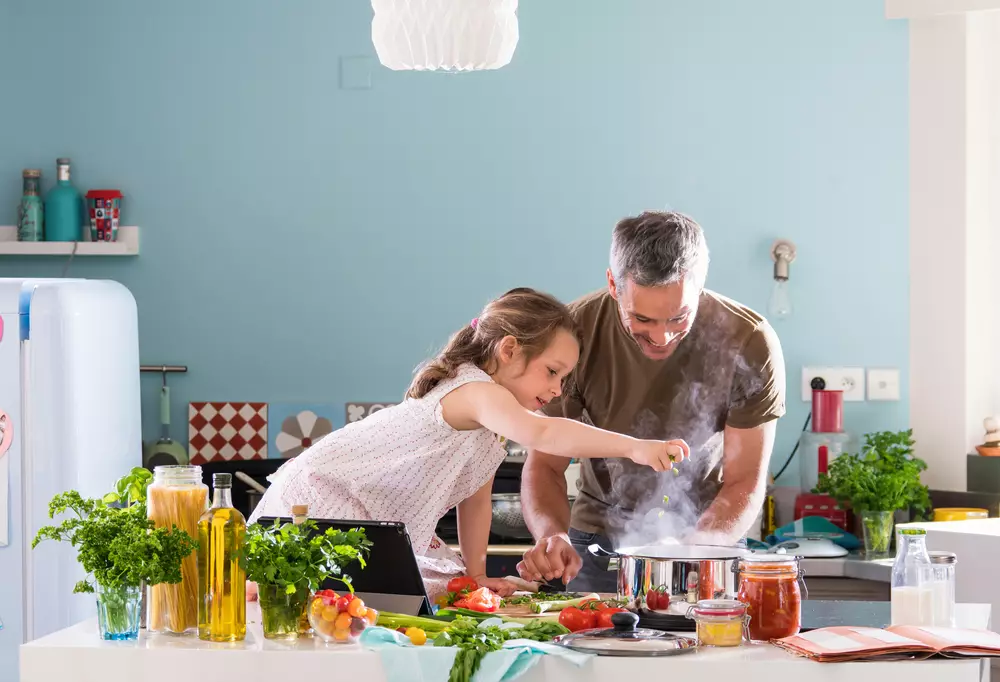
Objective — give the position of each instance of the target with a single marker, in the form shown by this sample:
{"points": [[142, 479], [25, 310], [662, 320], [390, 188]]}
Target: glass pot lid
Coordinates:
{"points": [[624, 639]]}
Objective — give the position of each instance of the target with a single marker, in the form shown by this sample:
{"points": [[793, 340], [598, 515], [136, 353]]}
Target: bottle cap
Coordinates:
{"points": [[300, 509], [31, 173], [943, 557], [62, 161], [222, 480]]}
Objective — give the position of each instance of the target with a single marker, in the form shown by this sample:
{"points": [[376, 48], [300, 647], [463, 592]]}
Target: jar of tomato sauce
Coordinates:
{"points": [[769, 586]]}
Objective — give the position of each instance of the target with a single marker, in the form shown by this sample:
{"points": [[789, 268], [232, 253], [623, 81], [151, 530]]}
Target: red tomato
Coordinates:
{"points": [[343, 603], [604, 617], [456, 585], [658, 599], [574, 619]]}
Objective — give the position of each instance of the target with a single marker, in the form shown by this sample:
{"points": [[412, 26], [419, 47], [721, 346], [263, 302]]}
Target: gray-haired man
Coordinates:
{"points": [[662, 357]]}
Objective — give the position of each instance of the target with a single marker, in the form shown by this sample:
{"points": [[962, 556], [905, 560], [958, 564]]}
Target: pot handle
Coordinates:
{"points": [[597, 550]]}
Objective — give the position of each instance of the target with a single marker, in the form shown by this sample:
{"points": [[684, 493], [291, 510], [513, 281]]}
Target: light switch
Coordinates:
{"points": [[883, 384]]}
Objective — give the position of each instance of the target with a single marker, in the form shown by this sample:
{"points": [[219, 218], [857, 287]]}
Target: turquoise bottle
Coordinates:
{"points": [[30, 221], [63, 208]]}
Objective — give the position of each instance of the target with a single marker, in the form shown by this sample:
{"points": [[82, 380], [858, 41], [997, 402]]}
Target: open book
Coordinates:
{"points": [[838, 644]]}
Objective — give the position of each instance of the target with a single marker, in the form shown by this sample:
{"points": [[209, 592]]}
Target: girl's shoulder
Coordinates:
{"points": [[465, 374]]}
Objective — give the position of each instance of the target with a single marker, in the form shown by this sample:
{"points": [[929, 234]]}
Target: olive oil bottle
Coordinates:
{"points": [[300, 512], [222, 603]]}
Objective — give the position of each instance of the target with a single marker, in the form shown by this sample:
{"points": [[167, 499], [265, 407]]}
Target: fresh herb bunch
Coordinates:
{"points": [[131, 488], [475, 640], [118, 547], [298, 557], [884, 477]]}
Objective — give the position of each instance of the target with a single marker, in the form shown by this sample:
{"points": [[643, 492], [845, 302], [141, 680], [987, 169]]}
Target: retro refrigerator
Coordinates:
{"points": [[70, 417]]}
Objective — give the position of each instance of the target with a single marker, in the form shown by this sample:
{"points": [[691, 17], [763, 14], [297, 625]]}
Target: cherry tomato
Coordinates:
{"points": [[574, 619], [357, 608], [371, 615], [343, 603], [417, 636], [342, 622], [456, 585], [604, 617], [658, 599]]}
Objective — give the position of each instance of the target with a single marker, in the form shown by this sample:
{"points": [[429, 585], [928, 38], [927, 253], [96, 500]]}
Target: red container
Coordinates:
{"points": [[827, 411], [104, 207]]}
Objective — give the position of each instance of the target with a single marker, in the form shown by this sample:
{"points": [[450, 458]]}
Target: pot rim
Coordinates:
{"points": [[683, 552]]}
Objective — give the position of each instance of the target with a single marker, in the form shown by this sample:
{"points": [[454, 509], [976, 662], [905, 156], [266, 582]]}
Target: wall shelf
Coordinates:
{"points": [[127, 245]]}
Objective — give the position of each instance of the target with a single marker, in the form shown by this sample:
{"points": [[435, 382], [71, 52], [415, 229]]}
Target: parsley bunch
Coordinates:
{"points": [[119, 547], [884, 477], [297, 557]]}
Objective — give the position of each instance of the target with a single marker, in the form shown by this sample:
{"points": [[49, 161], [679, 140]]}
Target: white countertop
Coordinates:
{"points": [[77, 655]]}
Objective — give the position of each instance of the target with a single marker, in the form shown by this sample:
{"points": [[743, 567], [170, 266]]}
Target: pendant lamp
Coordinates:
{"points": [[444, 35]]}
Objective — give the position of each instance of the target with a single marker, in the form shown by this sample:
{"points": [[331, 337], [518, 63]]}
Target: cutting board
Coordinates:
{"points": [[524, 610]]}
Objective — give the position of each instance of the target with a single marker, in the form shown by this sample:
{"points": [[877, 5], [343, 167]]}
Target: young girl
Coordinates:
{"points": [[442, 445]]}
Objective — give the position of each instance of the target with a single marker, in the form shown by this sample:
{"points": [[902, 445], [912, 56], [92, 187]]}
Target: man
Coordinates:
{"points": [[662, 357]]}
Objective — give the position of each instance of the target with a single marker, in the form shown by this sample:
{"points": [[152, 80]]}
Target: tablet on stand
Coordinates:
{"points": [[390, 580]]}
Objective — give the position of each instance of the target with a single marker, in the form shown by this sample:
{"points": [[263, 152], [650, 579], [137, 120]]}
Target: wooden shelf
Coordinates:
{"points": [[127, 245]]}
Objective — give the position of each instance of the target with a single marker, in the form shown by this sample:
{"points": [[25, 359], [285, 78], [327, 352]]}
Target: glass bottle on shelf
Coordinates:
{"points": [[222, 614], [31, 212], [63, 207], [911, 595]]}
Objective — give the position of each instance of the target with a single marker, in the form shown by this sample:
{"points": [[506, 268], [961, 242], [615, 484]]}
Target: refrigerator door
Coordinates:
{"points": [[11, 555], [81, 425]]}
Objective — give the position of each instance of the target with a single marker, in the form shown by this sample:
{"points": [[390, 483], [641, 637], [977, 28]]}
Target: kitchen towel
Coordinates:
{"points": [[404, 662]]}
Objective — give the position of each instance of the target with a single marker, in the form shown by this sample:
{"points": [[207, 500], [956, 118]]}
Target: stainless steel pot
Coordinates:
{"points": [[677, 575]]}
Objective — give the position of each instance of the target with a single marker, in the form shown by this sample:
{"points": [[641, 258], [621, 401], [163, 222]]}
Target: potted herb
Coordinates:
{"points": [[120, 549], [289, 562], [882, 479]]}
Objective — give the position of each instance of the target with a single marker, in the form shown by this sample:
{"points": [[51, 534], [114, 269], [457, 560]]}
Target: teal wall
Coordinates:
{"points": [[306, 242]]}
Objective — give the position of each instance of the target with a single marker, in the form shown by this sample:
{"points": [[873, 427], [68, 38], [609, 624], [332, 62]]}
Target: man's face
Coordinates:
{"points": [[658, 318]]}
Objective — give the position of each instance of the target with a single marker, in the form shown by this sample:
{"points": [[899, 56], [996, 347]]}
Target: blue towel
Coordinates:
{"points": [[814, 524], [404, 662]]}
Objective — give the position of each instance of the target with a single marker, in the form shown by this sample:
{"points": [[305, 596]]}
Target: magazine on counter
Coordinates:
{"points": [[845, 643]]}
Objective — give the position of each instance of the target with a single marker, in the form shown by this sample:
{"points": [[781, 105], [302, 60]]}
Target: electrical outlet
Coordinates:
{"points": [[883, 384], [850, 380]]}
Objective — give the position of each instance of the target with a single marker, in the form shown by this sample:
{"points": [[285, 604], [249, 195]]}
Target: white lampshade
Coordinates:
{"points": [[444, 35]]}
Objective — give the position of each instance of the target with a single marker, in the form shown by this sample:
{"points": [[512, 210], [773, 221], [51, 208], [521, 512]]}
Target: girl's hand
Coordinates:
{"points": [[504, 588], [660, 455]]}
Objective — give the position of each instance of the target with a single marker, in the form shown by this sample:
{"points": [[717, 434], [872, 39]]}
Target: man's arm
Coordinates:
{"points": [[745, 458], [757, 402], [545, 506]]}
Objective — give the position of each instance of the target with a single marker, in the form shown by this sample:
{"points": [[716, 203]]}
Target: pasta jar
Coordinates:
{"points": [[176, 497], [769, 586], [719, 622]]}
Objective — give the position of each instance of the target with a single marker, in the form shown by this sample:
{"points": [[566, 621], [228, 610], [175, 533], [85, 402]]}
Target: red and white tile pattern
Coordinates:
{"points": [[227, 431]]}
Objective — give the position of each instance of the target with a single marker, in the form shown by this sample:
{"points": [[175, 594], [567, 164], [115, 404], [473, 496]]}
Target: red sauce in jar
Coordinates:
{"points": [[770, 589]]}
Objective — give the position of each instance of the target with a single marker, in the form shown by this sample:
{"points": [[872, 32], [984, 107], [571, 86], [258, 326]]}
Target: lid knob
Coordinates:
{"points": [[624, 621]]}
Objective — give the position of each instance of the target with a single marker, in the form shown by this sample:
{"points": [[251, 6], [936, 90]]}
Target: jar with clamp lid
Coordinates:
{"points": [[771, 586], [719, 622]]}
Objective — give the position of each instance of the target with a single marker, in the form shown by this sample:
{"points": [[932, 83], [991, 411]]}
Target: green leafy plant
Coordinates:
{"points": [[883, 477], [299, 557], [131, 488], [118, 547]]}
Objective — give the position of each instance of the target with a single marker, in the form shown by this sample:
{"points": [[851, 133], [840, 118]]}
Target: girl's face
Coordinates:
{"points": [[538, 381]]}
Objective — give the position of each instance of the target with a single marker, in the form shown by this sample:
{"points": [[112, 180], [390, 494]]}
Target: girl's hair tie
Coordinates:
{"points": [[474, 323]]}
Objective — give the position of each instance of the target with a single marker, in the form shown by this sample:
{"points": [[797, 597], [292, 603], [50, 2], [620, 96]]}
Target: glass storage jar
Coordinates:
{"points": [[176, 497], [769, 586], [719, 622], [943, 588]]}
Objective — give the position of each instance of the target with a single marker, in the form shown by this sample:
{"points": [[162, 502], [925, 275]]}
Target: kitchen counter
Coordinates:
{"points": [[77, 655]]}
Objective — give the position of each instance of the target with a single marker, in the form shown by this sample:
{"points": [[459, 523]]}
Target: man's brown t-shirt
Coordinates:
{"points": [[728, 370]]}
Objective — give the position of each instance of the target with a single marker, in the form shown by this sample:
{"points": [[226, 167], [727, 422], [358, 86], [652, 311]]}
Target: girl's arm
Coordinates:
{"points": [[475, 514], [495, 408]]}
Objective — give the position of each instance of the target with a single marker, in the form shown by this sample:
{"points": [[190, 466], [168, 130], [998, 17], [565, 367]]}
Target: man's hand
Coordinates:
{"points": [[552, 557], [660, 455]]}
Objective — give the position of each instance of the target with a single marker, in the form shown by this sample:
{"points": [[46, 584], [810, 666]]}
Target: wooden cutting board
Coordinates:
{"points": [[524, 610]]}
